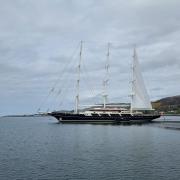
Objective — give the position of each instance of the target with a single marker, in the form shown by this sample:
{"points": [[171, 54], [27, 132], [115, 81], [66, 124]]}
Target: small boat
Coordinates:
{"points": [[140, 110]]}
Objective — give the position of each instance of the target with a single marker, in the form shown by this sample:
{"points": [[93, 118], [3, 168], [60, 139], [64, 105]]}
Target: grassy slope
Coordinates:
{"points": [[168, 105]]}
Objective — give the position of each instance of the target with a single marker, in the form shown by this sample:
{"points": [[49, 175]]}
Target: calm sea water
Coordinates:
{"points": [[40, 148]]}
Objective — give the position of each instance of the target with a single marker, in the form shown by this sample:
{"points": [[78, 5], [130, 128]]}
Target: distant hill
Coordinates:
{"points": [[168, 104]]}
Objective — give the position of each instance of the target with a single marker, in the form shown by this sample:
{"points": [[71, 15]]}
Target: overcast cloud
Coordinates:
{"points": [[39, 44]]}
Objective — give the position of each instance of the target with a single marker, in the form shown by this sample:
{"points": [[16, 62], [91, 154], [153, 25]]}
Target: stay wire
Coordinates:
{"points": [[58, 79]]}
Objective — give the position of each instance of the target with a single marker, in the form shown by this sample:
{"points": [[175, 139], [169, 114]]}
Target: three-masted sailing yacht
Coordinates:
{"points": [[140, 110]]}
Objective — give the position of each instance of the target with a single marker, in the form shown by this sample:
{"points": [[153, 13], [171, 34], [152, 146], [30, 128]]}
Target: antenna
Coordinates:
{"points": [[106, 79], [78, 80]]}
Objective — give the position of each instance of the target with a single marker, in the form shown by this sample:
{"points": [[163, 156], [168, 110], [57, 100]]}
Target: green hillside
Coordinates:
{"points": [[170, 105]]}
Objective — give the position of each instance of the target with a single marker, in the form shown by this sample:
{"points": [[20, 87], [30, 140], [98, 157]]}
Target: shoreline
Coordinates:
{"points": [[41, 115]]}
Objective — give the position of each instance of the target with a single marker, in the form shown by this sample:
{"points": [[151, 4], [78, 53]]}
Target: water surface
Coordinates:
{"points": [[40, 148]]}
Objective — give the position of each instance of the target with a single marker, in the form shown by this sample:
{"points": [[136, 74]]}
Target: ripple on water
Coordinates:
{"points": [[39, 148]]}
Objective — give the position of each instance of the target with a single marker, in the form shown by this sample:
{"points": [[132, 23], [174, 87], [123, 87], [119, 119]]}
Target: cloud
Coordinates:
{"points": [[39, 44]]}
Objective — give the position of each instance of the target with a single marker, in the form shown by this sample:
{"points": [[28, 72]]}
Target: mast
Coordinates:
{"points": [[76, 110], [139, 96], [106, 79], [132, 79]]}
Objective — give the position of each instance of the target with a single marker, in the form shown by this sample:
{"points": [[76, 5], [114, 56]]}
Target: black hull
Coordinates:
{"points": [[124, 118]]}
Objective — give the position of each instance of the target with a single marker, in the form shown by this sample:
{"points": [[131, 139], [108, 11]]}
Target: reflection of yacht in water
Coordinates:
{"points": [[140, 109]]}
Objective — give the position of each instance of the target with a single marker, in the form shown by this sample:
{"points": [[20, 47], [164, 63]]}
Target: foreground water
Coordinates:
{"points": [[40, 148]]}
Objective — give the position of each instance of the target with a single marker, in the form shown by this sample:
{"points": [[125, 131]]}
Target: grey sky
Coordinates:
{"points": [[38, 38]]}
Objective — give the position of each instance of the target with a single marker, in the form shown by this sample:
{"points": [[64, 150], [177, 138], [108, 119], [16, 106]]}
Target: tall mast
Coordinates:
{"points": [[139, 97], [78, 80], [132, 78], [106, 79]]}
